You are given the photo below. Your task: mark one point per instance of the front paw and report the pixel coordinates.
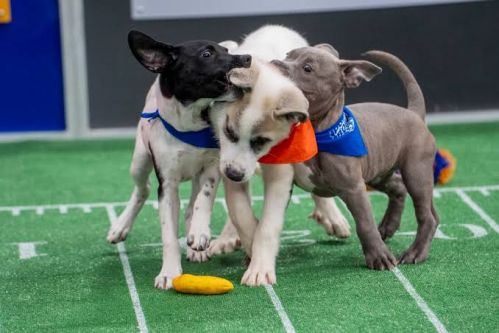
(378, 257)
(224, 245)
(117, 233)
(335, 225)
(197, 256)
(163, 281)
(259, 274)
(198, 241)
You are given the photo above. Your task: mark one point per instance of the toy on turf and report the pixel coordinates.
(202, 285)
(444, 167)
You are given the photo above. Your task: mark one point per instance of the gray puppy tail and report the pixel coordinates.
(415, 98)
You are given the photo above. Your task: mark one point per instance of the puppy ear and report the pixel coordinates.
(356, 71)
(281, 66)
(329, 48)
(153, 55)
(243, 77)
(292, 106)
(230, 45)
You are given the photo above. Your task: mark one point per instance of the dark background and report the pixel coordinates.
(452, 49)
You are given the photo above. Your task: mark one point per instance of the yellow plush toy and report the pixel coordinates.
(201, 285)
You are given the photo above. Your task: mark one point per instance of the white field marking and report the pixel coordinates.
(288, 326)
(485, 192)
(436, 194)
(487, 219)
(27, 250)
(420, 301)
(87, 207)
(63, 209)
(295, 199)
(127, 270)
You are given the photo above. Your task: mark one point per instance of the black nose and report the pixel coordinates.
(245, 60)
(234, 174)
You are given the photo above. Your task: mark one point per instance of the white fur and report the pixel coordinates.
(261, 241)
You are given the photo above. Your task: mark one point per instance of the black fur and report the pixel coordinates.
(188, 71)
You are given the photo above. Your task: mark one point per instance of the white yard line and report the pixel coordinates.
(474, 206)
(420, 301)
(288, 326)
(127, 270)
(86, 207)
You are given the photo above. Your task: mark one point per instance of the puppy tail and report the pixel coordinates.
(415, 96)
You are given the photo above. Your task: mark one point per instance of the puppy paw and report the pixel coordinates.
(224, 244)
(414, 255)
(163, 281)
(387, 228)
(334, 224)
(258, 275)
(117, 233)
(198, 242)
(380, 258)
(197, 256)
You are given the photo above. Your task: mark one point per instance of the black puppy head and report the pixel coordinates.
(188, 71)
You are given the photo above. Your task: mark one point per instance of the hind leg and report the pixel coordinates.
(140, 169)
(328, 215)
(418, 178)
(394, 187)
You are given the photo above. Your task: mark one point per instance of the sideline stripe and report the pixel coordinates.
(127, 270)
(420, 301)
(474, 206)
(288, 326)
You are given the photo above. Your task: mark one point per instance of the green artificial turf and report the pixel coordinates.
(78, 284)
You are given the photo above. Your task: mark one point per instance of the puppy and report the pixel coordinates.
(395, 139)
(191, 76)
(270, 107)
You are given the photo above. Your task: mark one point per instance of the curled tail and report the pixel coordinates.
(415, 98)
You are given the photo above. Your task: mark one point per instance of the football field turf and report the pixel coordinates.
(57, 272)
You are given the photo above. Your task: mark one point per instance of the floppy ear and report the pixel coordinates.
(153, 55)
(329, 48)
(243, 77)
(292, 106)
(356, 71)
(281, 66)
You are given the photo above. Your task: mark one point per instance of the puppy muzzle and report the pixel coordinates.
(242, 61)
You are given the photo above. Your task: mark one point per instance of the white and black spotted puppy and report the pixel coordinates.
(191, 76)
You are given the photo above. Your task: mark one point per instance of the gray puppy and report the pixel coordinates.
(396, 139)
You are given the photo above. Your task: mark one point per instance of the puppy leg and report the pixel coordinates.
(140, 169)
(227, 242)
(278, 182)
(375, 251)
(199, 233)
(327, 214)
(169, 205)
(395, 189)
(418, 178)
(192, 255)
(238, 199)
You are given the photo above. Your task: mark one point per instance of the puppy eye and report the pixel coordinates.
(206, 54)
(230, 134)
(307, 68)
(258, 142)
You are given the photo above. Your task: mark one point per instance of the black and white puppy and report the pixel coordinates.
(191, 76)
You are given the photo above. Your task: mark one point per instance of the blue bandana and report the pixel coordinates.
(204, 138)
(343, 138)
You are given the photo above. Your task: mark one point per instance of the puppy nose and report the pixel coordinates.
(246, 60)
(234, 174)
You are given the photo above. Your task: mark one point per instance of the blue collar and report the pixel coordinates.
(343, 138)
(204, 138)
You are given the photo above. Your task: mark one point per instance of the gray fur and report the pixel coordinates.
(396, 139)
